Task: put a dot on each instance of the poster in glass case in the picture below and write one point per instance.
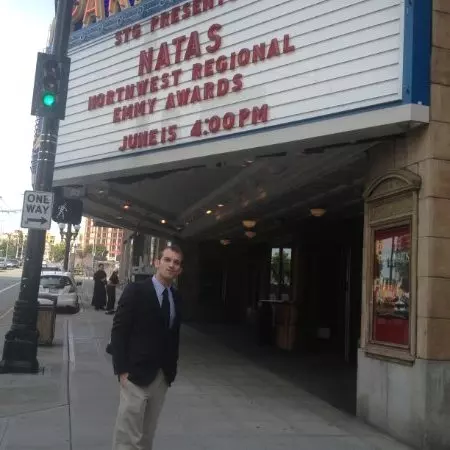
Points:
(391, 289)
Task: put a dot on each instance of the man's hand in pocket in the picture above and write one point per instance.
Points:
(123, 378)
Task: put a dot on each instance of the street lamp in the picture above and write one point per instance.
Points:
(68, 236)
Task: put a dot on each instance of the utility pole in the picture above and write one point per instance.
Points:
(67, 237)
(21, 341)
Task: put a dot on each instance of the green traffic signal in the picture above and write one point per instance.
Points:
(50, 86)
(48, 99)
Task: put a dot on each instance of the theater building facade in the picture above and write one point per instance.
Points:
(299, 152)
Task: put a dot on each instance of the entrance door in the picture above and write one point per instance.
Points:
(331, 310)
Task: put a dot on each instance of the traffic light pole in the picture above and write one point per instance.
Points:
(20, 349)
(67, 248)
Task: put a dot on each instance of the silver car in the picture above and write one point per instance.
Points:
(59, 287)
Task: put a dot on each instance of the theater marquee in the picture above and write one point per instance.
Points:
(209, 69)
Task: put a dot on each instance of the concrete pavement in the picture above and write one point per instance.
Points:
(220, 400)
(34, 410)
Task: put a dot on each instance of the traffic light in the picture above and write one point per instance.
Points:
(50, 86)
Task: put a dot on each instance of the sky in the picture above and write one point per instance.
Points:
(24, 32)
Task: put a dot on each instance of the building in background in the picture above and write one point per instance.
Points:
(96, 237)
(49, 243)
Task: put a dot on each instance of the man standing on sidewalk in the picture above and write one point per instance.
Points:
(145, 341)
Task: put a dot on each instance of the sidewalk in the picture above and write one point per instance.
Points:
(219, 401)
(34, 411)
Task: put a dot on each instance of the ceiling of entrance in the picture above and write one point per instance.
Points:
(210, 199)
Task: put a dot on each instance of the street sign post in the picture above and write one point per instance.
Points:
(37, 210)
(21, 341)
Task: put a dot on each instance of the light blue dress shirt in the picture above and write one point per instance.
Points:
(159, 288)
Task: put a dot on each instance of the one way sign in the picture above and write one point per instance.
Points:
(37, 210)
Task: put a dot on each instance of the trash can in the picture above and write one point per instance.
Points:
(46, 321)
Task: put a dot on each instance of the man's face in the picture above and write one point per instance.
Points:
(169, 266)
(101, 266)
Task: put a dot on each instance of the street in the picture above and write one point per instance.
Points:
(9, 289)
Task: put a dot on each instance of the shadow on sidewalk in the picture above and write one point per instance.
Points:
(325, 376)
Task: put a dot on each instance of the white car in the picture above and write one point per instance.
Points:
(51, 269)
(3, 265)
(60, 287)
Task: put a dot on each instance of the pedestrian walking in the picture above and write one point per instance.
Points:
(111, 291)
(144, 345)
(99, 296)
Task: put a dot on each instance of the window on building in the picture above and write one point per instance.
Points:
(280, 273)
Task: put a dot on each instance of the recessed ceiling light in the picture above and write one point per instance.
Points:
(249, 223)
(126, 206)
(163, 221)
(317, 212)
(209, 212)
(220, 205)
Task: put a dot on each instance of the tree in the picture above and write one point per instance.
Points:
(11, 244)
(281, 275)
(100, 253)
(87, 250)
(22, 245)
(57, 252)
(280, 271)
(3, 246)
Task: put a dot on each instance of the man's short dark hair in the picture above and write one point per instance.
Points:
(175, 248)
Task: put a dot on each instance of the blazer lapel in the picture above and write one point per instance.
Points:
(150, 294)
(176, 301)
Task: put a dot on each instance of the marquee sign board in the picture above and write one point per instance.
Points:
(194, 71)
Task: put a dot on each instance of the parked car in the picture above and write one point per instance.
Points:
(12, 264)
(59, 286)
(3, 265)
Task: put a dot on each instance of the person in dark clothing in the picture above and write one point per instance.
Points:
(111, 291)
(144, 342)
(99, 297)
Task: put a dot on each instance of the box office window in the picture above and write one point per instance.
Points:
(280, 273)
(391, 285)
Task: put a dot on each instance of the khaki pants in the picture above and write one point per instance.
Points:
(138, 414)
